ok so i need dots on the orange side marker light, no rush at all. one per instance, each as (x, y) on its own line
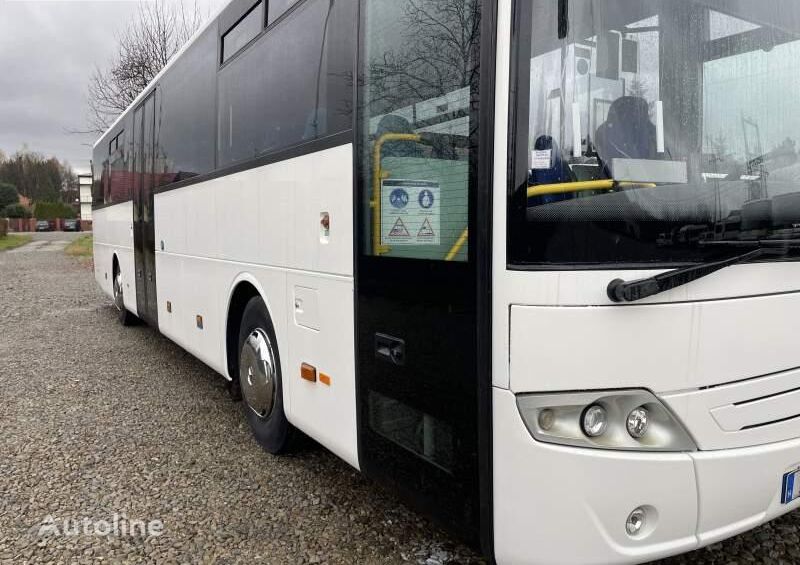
(308, 372)
(324, 379)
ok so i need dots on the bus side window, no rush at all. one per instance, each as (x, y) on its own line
(292, 85)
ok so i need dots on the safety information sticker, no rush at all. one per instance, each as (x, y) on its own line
(410, 212)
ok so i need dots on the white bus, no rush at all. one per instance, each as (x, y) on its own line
(532, 264)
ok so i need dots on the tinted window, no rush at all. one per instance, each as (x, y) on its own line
(276, 8)
(290, 86)
(111, 182)
(119, 186)
(99, 176)
(243, 32)
(99, 160)
(186, 109)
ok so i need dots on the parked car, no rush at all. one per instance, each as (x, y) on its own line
(72, 225)
(42, 225)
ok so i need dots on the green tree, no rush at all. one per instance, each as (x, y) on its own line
(15, 211)
(8, 195)
(52, 210)
(37, 177)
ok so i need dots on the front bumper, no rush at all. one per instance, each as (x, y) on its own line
(555, 504)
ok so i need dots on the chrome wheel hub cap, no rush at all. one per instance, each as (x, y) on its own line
(257, 373)
(119, 302)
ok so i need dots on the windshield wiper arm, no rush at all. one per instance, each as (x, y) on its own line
(631, 291)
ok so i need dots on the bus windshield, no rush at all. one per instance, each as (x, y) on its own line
(654, 131)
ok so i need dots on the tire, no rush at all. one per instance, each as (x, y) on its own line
(125, 317)
(260, 380)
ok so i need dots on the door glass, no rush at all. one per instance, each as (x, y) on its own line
(147, 152)
(419, 78)
(138, 161)
(422, 434)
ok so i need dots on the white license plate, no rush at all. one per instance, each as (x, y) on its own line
(791, 486)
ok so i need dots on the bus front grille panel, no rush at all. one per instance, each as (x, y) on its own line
(755, 411)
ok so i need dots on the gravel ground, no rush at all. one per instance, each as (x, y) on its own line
(97, 420)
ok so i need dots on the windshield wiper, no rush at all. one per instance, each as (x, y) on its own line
(631, 291)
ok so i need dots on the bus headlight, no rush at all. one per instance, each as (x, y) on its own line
(594, 421)
(632, 420)
(637, 422)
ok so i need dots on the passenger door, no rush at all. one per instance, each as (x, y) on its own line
(143, 221)
(420, 423)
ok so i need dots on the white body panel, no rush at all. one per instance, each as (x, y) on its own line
(664, 347)
(113, 236)
(261, 226)
(750, 412)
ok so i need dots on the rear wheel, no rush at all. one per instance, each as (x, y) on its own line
(260, 379)
(125, 317)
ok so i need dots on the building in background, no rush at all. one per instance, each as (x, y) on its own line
(85, 184)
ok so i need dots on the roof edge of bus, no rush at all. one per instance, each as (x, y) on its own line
(146, 90)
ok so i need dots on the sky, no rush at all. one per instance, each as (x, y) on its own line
(48, 49)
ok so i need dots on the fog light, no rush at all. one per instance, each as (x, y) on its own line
(635, 522)
(594, 421)
(547, 418)
(637, 422)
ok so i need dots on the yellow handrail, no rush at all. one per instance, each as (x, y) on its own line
(458, 245)
(377, 177)
(566, 187)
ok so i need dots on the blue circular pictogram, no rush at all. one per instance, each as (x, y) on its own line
(426, 199)
(398, 198)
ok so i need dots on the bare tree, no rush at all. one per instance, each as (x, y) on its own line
(157, 33)
(440, 59)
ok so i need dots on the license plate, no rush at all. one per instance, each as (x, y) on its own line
(791, 486)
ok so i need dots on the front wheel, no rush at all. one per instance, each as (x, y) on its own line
(260, 379)
(125, 317)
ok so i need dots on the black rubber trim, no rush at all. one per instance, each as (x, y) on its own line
(358, 215)
(766, 396)
(483, 321)
(771, 423)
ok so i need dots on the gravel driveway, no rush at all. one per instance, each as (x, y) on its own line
(120, 426)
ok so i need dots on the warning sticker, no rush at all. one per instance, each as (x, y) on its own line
(426, 231)
(399, 229)
(410, 212)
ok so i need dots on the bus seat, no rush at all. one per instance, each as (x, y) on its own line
(627, 132)
(557, 173)
(392, 123)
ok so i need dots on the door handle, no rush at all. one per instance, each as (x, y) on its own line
(391, 349)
